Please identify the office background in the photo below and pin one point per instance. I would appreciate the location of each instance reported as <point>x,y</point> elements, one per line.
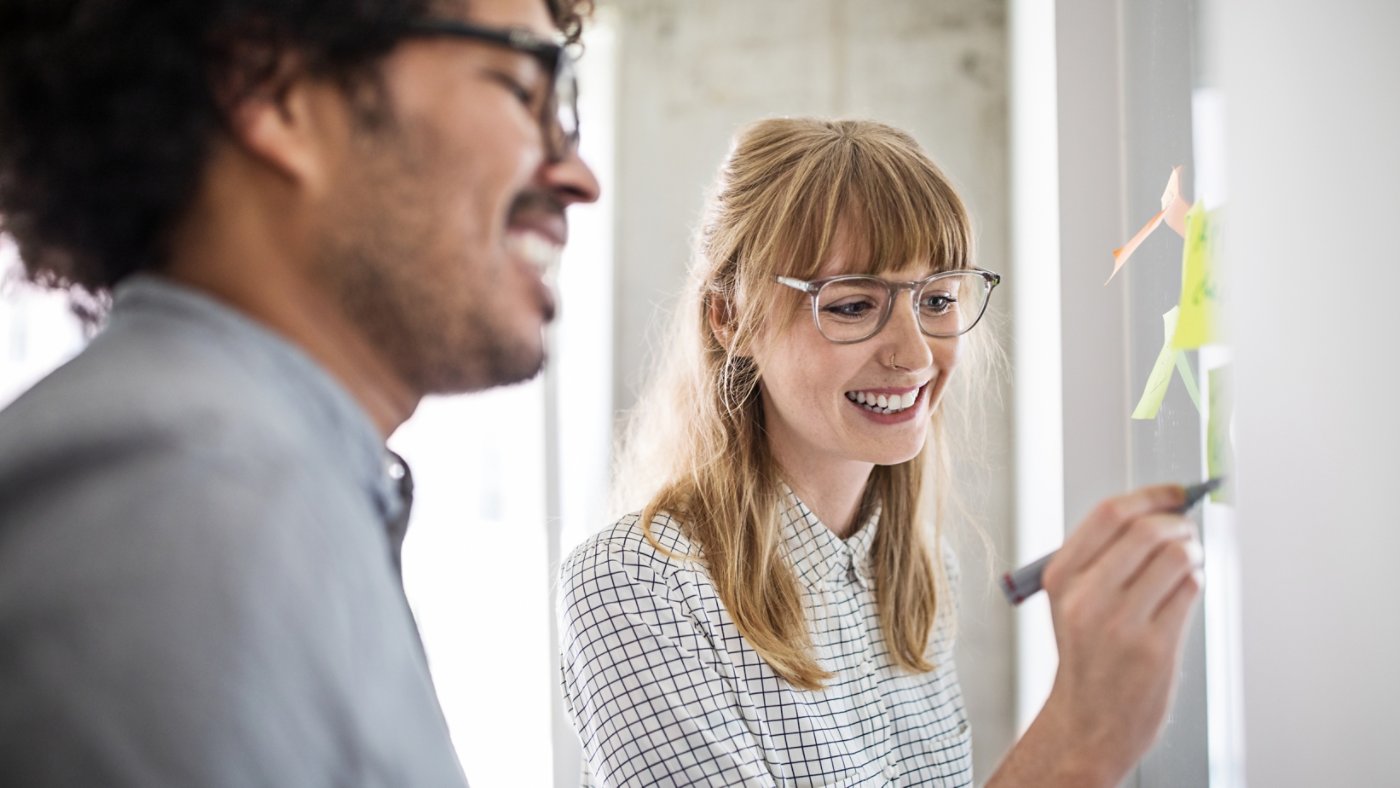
<point>1058,121</point>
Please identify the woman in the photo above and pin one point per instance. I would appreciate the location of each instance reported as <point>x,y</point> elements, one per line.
<point>776,614</point>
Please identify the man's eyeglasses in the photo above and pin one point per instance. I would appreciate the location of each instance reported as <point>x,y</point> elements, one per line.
<point>559,118</point>
<point>849,309</point>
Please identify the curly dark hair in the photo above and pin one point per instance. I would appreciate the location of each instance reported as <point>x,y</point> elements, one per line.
<point>108,109</point>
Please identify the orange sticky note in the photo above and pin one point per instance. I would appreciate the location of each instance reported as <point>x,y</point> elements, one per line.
<point>1173,213</point>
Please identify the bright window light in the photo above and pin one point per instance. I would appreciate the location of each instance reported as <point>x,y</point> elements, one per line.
<point>38,331</point>
<point>507,482</point>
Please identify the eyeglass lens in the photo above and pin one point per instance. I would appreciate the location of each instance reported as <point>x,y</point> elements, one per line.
<point>561,116</point>
<point>849,310</point>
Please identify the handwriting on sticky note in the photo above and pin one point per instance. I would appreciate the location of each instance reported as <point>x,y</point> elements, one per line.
<point>1173,214</point>
<point>1200,293</point>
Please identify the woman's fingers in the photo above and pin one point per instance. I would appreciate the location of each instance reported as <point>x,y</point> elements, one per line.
<point>1127,557</point>
<point>1105,524</point>
<point>1176,610</point>
<point>1172,562</point>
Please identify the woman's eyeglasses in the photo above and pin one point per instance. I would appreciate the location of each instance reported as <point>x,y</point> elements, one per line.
<point>854,308</point>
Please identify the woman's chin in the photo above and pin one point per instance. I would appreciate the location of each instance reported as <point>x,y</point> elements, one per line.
<point>891,456</point>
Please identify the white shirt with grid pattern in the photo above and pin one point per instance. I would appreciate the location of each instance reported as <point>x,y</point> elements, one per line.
<point>663,690</point>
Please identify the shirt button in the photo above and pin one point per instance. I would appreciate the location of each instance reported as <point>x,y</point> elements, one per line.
<point>395,470</point>
<point>891,771</point>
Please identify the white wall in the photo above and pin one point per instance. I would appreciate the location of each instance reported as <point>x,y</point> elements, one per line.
<point>692,73</point>
<point>1313,123</point>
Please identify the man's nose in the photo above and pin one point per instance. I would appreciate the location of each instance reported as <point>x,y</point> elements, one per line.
<point>570,179</point>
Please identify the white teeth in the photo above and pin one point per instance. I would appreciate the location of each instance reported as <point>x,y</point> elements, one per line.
<point>535,249</point>
<point>884,403</point>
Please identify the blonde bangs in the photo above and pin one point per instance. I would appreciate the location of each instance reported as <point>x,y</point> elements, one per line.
<point>896,206</point>
<point>901,212</point>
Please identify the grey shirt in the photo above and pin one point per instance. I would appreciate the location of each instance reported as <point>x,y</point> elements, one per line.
<point>198,568</point>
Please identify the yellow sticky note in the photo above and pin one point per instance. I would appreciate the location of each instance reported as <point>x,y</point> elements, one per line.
<point>1220,459</point>
<point>1199,290</point>
<point>1156,387</point>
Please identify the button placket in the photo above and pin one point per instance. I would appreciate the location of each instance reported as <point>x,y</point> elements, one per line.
<point>852,584</point>
<point>876,728</point>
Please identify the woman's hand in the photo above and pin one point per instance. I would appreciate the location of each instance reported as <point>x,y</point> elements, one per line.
<point>1121,592</point>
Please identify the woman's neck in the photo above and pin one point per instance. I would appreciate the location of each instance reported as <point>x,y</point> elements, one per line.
<point>833,491</point>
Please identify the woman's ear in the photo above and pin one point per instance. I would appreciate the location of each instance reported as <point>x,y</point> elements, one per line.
<point>721,316</point>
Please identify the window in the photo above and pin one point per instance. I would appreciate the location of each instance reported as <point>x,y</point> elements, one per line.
<point>38,332</point>
<point>1132,104</point>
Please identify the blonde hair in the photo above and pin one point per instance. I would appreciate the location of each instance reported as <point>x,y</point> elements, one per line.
<point>696,446</point>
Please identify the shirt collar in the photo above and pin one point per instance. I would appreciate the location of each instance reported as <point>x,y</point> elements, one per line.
<point>350,438</point>
<point>817,554</point>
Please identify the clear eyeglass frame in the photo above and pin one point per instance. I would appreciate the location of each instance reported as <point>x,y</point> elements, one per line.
<point>559,125</point>
<point>989,280</point>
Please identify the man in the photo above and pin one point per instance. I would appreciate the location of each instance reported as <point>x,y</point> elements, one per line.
<point>310,216</point>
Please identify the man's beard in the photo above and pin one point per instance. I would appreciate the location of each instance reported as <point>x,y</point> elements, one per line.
<point>432,315</point>
<point>438,341</point>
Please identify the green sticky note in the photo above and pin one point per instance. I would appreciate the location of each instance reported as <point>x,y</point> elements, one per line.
<point>1199,288</point>
<point>1220,455</point>
<point>1156,387</point>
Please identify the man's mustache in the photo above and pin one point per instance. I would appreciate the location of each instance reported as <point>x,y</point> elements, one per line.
<point>536,201</point>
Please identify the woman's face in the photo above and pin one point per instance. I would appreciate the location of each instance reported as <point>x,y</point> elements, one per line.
<point>812,388</point>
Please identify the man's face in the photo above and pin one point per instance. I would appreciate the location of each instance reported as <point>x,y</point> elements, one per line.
<point>437,240</point>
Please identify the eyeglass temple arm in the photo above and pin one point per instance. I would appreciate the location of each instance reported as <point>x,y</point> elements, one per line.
<point>797,284</point>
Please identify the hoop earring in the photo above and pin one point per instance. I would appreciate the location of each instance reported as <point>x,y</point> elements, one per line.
<point>736,382</point>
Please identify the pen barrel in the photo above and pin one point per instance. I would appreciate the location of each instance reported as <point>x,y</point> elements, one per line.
<point>1020,584</point>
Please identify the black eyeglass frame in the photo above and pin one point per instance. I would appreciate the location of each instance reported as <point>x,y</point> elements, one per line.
<point>560,137</point>
<point>813,288</point>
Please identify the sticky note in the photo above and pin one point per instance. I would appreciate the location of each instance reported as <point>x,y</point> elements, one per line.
<point>1199,302</point>
<point>1173,213</point>
<point>1183,365</point>
<point>1161,375</point>
<point>1220,459</point>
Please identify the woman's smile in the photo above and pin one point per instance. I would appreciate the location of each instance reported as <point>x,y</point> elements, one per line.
<point>890,405</point>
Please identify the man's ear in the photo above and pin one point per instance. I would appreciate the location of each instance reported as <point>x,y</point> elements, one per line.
<point>287,120</point>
